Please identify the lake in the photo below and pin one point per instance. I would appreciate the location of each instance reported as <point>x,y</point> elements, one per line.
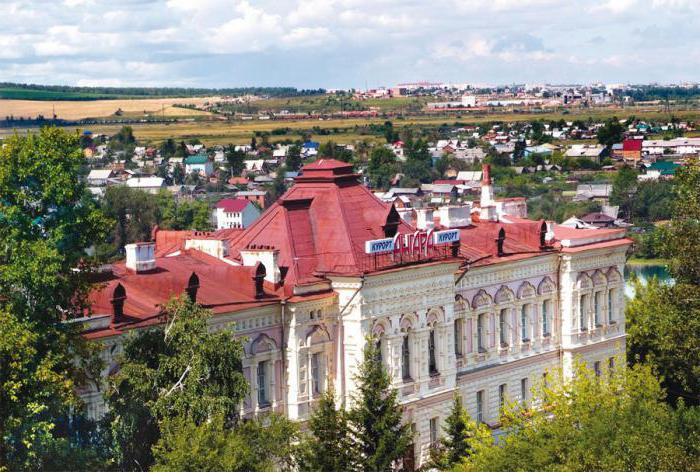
<point>645,272</point>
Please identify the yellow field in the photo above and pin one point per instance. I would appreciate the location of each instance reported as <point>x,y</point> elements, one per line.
<point>75,110</point>
<point>343,130</point>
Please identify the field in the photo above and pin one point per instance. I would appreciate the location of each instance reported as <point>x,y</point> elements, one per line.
<point>339,130</point>
<point>75,110</point>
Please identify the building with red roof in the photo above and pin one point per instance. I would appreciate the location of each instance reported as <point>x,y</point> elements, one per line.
<point>632,150</point>
<point>476,301</point>
<point>234,213</point>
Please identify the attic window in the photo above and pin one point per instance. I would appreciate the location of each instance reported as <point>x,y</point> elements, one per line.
<point>543,234</point>
<point>193,287</point>
<point>499,242</point>
<point>118,299</point>
<point>392,223</point>
<point>259,279</point>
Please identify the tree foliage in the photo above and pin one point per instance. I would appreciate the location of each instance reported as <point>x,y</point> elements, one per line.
<point>375,418</point>
<point>329,447</point>
<point>47,219</point>
<point>179,370</point>
<point>615,422</point>
<point>611,132</point>
<point>382,167</point>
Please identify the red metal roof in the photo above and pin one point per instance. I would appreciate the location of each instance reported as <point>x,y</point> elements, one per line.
<point>233,205</point>
<point>632,145</point>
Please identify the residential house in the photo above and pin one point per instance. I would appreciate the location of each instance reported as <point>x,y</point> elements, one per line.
<point>596,192</point>
<point>199,163</point>
<point>147,184</point>
<point>234,213</point>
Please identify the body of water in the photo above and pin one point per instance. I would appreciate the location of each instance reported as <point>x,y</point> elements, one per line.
<point>645,272</point>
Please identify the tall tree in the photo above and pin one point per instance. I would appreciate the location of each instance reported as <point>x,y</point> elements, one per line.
<point>293,161</point>
<point>179,370</point>
<point>617,421</point>
<point>611,132</point>
<point>330,448</point>
<point>624,189</point>
<point>235,160</point>
<point>684,249</point>
<point>462,435</point>
<point>382,167</point>
<point>47,220</point>
<point>375,418</point>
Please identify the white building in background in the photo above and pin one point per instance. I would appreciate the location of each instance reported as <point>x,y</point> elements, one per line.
<point>482,305</point>
<point>234,213</point>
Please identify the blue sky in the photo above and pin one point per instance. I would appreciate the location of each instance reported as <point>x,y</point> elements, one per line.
<point>347,43</point>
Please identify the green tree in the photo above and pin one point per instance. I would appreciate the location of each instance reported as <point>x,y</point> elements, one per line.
<point>125,137</point>
<point>611,132</point>
<point>135,213</point>
<point>382,167</point>
<point>418,163</point>
<point>624,190</point>
<point>293,161</point>
<point>462,435</point>
<point>47,219</point>
<point>375,418</point>
<point>614,422</point>
<point>178,175</point>
<point>168,148</point>
<point>264,444</point>
<point>329,449</point>
<point>235,160</point>
<point>684,249</point>
<point>178,370</point>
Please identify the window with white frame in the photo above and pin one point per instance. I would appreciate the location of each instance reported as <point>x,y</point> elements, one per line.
<point>596,308</point>
<point>583,302</point>
<point>502,395</point>
<point>525,323</point>
<point>481,332</point>
<point>611,305</point>
<point>459,329</point>
<point>316,373</point>
<point>263,381</point>
<point>432,358</point>
<point>545,318</point>
<point>524,389</point>
<point>434,431</point>
<point>406,358</point>
<point>596,368</point>
<point>503,327</point>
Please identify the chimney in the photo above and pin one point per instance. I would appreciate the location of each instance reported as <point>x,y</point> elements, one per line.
<point>140,257</point>
<point>424,219</point>
<point>486,186</point>
<point>455,216</point>
<point>268,256</point>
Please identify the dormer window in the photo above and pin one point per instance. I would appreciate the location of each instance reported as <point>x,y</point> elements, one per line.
<point>118,299</point>
<point>499,242</point>
<point>391,226</point>
<point>192,287</point>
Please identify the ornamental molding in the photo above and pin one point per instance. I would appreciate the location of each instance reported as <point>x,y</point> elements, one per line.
<point>514,271</point>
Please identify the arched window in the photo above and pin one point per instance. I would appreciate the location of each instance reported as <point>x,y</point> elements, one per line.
<point>545,318</point>
<point>432,361</point>
<point>263,384</point>
<point>405,358</point>
<point>459,330</point>
<point>596,307</point>
<point>481,332</point>
<point>611,305</point>
<point>503,327</point>
<point>583,301</point>
<point>525,323</point>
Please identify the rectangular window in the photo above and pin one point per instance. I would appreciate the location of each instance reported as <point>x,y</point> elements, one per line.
<point>596,368</point>
<point>378,347</point>
<point>502,395</point>
<point>481,332</point>
<point>524,323</point>
<point>480,406</point>
<point>545,318</point>
<point>582,313</point>
<point>263,394</point>
<point>433,431</point>
<point>596,308</point>
<point>432,361</point>
<point>611,312</point>
<point>503,327</point>
<point>316,373</point>
<point>405,359</point>
<point>545,380</point>
<point>611,363</point>
<point>524,390</point>
<point>458,337</point>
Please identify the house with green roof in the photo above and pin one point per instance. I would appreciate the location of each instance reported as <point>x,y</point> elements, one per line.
<point>199,163</point>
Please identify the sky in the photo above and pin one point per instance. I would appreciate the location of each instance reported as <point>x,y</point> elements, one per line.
<point>347,43</point>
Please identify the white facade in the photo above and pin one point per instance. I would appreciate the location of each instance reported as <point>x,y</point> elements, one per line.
<point>224,219</point>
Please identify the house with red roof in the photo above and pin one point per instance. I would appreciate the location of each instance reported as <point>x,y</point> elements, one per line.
<point>234,213</point>
<point>470,301</point>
